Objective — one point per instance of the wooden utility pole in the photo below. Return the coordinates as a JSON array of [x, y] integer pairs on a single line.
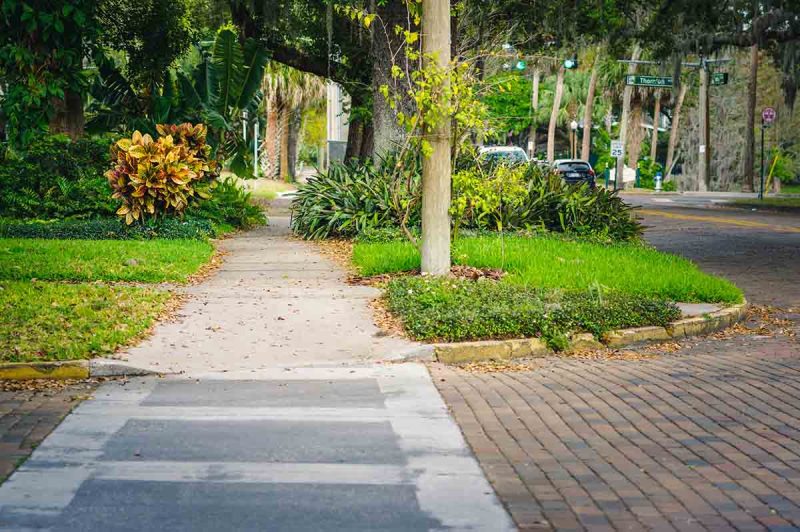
[[627, 93], [534, 109], [436, 168], [551, 128], [749, 181], [704, 148], [586, 141]]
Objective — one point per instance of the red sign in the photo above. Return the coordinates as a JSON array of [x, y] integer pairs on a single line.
[[768, 115]]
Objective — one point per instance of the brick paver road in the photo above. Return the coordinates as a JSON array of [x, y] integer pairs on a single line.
[[27, 416], [706, 438]]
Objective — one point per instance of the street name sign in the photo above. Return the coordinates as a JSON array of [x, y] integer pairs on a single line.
[[648, 81], [719, 78]]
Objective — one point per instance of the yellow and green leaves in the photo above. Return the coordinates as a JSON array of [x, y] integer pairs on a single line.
[[159, 176]]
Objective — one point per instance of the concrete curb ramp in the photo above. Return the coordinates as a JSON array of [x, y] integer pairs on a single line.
[[69, 369], [454, 353]]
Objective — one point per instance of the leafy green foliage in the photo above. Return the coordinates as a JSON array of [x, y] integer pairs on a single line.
[[229, 205], [153, 261], [451, 310], [151, 33], [556, 262], [353, 197], [57, 178], [59, 321], [42, 46], [169, 227], [158, 177]]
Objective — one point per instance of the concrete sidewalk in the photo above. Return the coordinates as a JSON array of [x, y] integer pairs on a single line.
[[274, 302], [278, 415]]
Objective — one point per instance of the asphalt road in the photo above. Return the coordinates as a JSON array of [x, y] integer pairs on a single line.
[[759, 251]]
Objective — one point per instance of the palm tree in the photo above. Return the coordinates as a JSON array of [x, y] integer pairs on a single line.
[[288, 91]]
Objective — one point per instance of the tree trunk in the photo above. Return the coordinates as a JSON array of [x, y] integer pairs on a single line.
[[534, 110], [656, 120], [355, 136], [636, 133], [586, 146], [295, 121], [619, 177], [271, 139], [703, 146], [674, 131], [551, 129], [436, 168], [367, 141], [284, 158], [749, 176], [388, 134], [68, 117]]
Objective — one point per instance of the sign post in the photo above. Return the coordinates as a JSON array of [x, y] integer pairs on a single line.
[[767, 118], [617, 152]]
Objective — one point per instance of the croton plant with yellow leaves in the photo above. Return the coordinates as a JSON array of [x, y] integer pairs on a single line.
[[153, 177]]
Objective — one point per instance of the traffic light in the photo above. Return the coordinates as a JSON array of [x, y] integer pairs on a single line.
[[571, 63]]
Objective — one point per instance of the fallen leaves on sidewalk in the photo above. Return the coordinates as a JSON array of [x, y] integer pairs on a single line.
[[82, 387], [339, 251], [210, 268]]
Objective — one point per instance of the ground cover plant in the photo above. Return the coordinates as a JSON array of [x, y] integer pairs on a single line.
[[58, 321], [442, 309], [102, 260]]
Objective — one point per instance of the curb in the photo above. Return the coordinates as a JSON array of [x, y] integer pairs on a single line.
[[459, 352], [70, 369]]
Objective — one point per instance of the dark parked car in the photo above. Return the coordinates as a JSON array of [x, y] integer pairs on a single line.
[[575, 171]]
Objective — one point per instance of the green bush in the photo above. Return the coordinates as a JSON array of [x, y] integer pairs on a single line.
[[353, 197], [109, 229], [57, 178], [452, 310], [230, 206]]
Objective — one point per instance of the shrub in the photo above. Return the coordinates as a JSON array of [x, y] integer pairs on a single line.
[[154, 177], [353, 197], [437, 309], [56, 177], [552, 204], [110, 229], [229, 205]]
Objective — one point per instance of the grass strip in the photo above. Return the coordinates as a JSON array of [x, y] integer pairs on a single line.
[[44, 321], [555, 263], [102, 260]]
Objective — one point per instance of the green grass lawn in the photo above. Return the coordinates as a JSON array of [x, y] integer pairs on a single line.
[[105, 260], [57, 321], [60, 316], [554, 263]]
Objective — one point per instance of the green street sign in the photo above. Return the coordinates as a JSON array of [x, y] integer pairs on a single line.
[[719, 78], [521, 65], [648, 81]]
